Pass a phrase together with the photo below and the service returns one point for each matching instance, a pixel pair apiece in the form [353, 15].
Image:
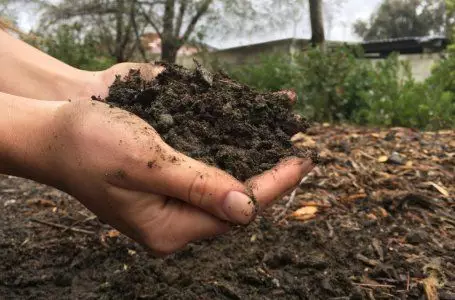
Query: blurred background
[378, 62]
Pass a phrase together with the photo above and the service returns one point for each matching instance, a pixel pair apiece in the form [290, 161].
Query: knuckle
[199, 190]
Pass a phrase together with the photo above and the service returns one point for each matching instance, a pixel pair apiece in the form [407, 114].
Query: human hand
[100, 82]
[120, 168]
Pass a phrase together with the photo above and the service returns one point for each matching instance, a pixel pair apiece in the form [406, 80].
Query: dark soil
[382, 232]
[212, 118]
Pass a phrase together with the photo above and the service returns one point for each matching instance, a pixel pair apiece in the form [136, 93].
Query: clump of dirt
[212, 118]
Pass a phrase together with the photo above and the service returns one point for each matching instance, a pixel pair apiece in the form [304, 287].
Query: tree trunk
[169, 49]
[119, 57]
[317, 23]
[169, 43]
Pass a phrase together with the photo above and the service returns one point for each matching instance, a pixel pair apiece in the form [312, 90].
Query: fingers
[148, 71]
[163, 225]
[274, 183]
[208, 188]
[181, 223]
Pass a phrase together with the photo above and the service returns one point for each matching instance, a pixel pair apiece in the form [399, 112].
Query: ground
[375, 220]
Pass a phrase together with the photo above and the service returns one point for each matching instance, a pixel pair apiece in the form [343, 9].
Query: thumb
[206, 187]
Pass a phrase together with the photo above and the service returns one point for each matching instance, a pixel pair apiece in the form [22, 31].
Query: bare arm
[25, 129]
[28, 72]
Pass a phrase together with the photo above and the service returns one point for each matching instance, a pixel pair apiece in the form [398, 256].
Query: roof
[377, 48]
[406, 45]
[264, 44]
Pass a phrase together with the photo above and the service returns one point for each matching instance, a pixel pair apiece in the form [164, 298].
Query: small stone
[396, 158]
[276, 282]
[417, 237]
[9, 202]
[166, 120]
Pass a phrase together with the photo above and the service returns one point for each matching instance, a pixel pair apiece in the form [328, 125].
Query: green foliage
[403, 18]
[328, 83]
[395, 99]
[273, 72]
[338, 85]
[68, 44]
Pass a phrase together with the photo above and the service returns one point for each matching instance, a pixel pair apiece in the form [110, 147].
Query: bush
[68, 44]
[395, 99]
[338, 85]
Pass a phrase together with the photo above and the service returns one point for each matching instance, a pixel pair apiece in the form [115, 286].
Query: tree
[66, 43]
[171, 29]
[317, 23]
[115, 24]
[121, 23]
[403, 18]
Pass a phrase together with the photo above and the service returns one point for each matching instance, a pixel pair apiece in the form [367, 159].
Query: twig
[62, 226]
[79, 222]
[330, 227]
[375, 285]
[366, 260]
[408, 282]
[291, 199]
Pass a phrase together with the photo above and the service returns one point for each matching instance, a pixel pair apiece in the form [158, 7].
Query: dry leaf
[434, 281]
[354, 197]
[305, 213]
[40, 202]
[383, 159]
[303, 140]
[253, 238]
[372, 217]
[381, 211]
[113, 233]
[440, 189]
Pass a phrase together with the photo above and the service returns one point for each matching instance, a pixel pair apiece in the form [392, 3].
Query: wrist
[26, 137]
[34, 74]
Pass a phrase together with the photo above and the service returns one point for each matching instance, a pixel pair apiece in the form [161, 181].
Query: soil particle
[212, 118]
[120, 174]
[417, 237]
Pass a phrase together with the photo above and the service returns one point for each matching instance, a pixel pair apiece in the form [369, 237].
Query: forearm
[26, 130]
[28, 72]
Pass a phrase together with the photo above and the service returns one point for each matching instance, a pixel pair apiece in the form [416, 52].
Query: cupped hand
[120, 168]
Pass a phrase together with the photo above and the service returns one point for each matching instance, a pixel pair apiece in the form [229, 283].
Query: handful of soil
[212, 118]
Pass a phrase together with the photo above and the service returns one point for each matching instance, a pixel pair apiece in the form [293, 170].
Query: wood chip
[440, 189]
[113, 233]
[40, 202]
[383, 159]
[305, 213]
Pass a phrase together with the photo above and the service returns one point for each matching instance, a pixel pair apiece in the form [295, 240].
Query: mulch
[374, 220]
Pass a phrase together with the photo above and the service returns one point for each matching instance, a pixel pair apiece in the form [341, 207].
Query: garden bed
[375, 220]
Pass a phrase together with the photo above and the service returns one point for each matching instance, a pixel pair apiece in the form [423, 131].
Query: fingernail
[239, 207]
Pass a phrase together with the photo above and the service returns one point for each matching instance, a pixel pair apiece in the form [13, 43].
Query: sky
[341, 29]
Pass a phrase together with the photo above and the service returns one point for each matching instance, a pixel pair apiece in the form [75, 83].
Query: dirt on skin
[212, 118]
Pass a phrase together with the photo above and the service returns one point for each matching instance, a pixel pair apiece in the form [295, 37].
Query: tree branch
[179, 21]
[150, 3]
[136, 32]
[152, 23]
[168, 19]
[200, 12]
[71, 12]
